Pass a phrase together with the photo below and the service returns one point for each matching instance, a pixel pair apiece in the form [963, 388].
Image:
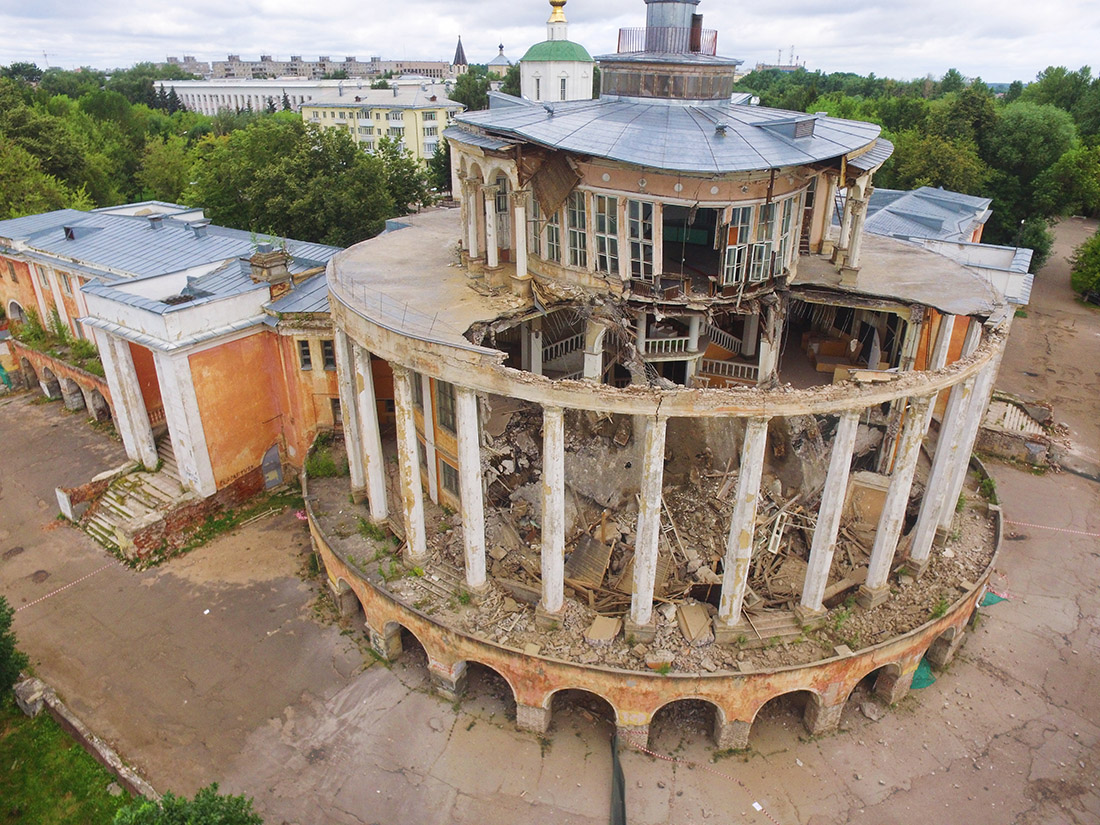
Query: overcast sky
[998, 40]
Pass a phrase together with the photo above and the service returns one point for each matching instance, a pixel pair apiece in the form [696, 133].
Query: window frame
[305, 355]
[606, 230]
[641, 239]
[328, 354]
[446, 406]
[576, 220]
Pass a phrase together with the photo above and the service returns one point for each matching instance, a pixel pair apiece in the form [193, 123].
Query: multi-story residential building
[189, 64]
[414, 115]
[267, 67]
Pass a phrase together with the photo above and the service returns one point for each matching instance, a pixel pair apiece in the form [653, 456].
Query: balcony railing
[562, 348]
[730, 369]
[667, 346]
[669, 41]
[724, 339]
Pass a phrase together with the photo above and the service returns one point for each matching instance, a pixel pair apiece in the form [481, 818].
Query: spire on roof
[460, 55]
[557, 27]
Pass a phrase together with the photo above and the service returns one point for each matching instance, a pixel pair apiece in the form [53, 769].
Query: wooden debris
[588, 562]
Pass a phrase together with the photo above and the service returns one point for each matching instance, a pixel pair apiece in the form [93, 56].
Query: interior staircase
[134, 498]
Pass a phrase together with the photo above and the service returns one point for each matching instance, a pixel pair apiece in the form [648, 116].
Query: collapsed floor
[602, 457]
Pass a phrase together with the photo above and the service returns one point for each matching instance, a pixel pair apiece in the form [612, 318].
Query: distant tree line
[1035, 149]
[85, 139]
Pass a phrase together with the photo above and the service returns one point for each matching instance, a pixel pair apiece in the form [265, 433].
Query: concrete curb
[33, 695]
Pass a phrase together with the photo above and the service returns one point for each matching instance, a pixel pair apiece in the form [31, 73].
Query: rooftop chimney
[269, 266]
[155, 221]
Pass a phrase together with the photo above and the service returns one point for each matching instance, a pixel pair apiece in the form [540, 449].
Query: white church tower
[557, 69]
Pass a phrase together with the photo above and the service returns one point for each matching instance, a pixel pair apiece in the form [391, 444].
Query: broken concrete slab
[603, 631]
[694, 621]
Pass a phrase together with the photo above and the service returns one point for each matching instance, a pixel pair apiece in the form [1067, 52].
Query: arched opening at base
[30, 377]
[98, 407]
[410, 659]
[684, 722]
[488, 693]
[781, 721]
[49, 383]
[581, 712]
[348, 606]
[15, 313]
[872, 693]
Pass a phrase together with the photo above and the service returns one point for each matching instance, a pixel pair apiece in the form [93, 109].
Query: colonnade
[965, 406]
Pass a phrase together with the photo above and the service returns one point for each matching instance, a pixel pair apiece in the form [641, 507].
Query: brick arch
[548, 702]
[814, 704]
[719, 715]
[884, 687]
[15, 312]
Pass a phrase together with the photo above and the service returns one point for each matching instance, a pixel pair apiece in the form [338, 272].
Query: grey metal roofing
[20, 229]
[926, 213]
[127, 246]
[875, 157]
[475, 139]
[309, 296]
[672, 136]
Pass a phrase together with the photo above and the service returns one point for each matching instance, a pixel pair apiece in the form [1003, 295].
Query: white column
[943, 466]
[520, 200]
[828, 514]
[841, 252]
[412, 496]
[939, 357]
[593, 351]
[553, 509]
[349, 403]
[492, 258]
[536, 345]
[751, 335]
[828, 207]
[893, 509]
[648, 530]
[181, 412]
[640, 332]
[469, 486]
[370, 435]
[472, 189]
[430, 457]
[735, 572]
[972, 422]
[855, 244]
[130, 414]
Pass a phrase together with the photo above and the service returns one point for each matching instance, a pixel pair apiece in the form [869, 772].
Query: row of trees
[85, 139]
[1035, 149]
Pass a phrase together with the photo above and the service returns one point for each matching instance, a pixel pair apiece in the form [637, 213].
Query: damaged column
[345, 379]
[469, 485]
[130, 412]
[735, 566]
[640, 624]
[412, 497]
[521, 285]
[828, 515]
[492, 253]
[553, 516]
[874, 592]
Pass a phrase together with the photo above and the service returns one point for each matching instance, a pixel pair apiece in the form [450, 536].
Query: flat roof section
[410, 281]
[905, 272]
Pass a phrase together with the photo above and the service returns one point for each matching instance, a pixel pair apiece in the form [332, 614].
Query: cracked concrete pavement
[264, 695]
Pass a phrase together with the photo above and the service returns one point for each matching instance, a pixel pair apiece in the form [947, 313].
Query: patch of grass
[369, 530]
[960, 505]
[665, 668]
[939, 610]
[464, 597]
[988, 489]
[47, 778]
[840, 618]
[726, 753]
[323, 462]
[1020, 313]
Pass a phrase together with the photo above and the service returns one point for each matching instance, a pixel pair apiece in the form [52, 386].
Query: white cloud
[999, 40]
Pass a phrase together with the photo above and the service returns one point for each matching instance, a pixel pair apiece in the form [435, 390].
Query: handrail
[562, 348]
[668, 40]
[667, 346]
[730, 369]
[724, 339]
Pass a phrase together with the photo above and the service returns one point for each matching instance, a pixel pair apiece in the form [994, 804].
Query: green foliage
[58, 329]
[31, 332]
[1028, 138]
[11, 660]
[1035, 235]
[27, 189]
[1085, 266]
[48, 779]
[1071, 185]
[372, 531]
[207, 808]
[283, 177]
[165, 169]
[940, 608]
[511, 84]
[406, 178]
[933, 160]
[988, 489]
[472, 91]
[439, 167]
[323, 462]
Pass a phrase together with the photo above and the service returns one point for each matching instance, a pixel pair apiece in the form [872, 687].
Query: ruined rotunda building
[667, 423]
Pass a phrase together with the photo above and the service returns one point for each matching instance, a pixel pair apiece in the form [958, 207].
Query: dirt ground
[219, 666]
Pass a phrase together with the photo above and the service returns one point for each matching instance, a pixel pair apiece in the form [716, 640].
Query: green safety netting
[923, 677]
[991, 598]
